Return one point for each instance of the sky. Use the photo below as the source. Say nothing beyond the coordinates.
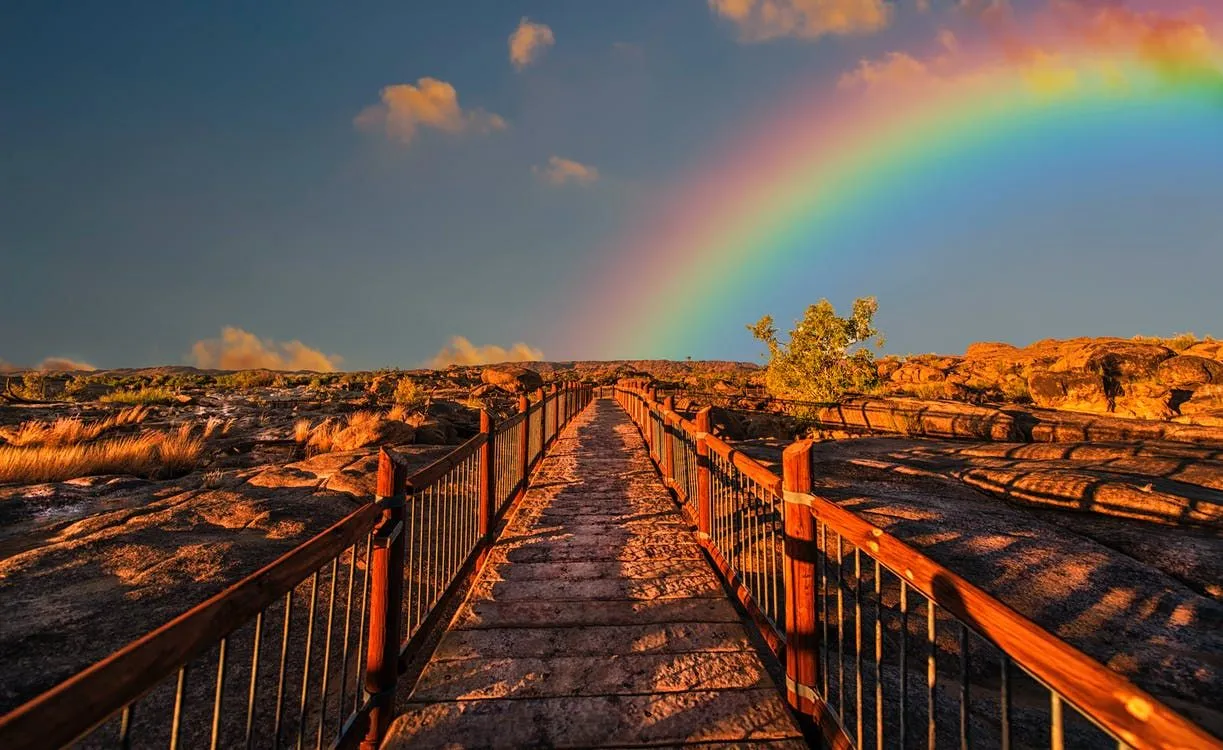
(319, 185)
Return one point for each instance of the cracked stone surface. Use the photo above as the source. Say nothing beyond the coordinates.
(596, 623)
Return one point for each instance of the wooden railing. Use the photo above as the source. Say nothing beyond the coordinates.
(307, 650)
(882, 645)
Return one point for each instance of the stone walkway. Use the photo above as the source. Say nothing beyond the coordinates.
(597, 622)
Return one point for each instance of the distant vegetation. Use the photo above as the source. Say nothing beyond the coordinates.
(826, 355)
(142, 396)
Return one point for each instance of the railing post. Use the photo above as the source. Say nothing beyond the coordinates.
(704, 479)
(556, 411)
(488, 480)
(524, 443)
(386, 566)
(802, 644)
(668, 438)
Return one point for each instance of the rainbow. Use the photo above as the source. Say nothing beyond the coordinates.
(822, 158)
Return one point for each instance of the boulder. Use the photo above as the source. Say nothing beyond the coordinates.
(886, 366)
(1205, 399)
(916, 372)
(1188, 371)
(382, 432)
(511, 378)
(1114, 359)
(1076, 391)
(991, 350)
(1208, 349)
(1142, 399)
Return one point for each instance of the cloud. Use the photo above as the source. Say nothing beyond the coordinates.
(760, 20)
(528, 42)
(237, 349)
(1172, 46)
(986, 10)
(923, 5)
(8, 366)
(560, 171)
(429, 104)
(460, 351)
(63, 363)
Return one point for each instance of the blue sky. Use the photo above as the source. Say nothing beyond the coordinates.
(168, 170)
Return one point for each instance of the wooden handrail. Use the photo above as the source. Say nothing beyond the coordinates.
(86, 700)
(1115, 703)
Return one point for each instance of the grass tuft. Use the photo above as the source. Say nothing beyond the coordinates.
(143, 396)
(151, 454)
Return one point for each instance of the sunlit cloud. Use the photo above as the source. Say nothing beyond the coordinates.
(60, 364)
(761, 20)
(1057, 66)
(237, 349)
(559, 171)
(431, 103)
(528, 42)
(460, 351)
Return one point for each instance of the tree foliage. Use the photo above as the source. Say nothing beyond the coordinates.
(817, 363)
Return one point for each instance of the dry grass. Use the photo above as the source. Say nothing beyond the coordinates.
(142, 396)
(410, 395)
(69, 430)
(301, 430)
(215, 426)
(150, 454)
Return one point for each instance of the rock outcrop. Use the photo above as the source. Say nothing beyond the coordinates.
(511, 378)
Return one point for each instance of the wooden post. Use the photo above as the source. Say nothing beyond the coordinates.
(386, 565)
(554, 398)
(704, 479)
(668, 438)
(802, 633)
(488, 480)
(524, 442)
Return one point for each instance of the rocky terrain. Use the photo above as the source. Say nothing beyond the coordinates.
(1081, 481)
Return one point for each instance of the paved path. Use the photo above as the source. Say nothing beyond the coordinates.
(597, 622)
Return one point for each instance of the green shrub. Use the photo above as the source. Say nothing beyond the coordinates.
(142, 396)
(410, 395)
(817, 363)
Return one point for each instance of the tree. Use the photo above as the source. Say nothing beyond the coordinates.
(817, 363)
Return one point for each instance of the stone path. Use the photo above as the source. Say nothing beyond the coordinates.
(597, 622)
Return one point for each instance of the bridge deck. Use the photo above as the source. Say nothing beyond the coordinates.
(596, 623)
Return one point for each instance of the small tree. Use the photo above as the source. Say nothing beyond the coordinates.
(816, 364)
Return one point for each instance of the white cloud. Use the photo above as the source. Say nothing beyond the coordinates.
(559, 171)
(237, 349)
(528, 42)
(461, 351)
(431, 104)
(760, 20)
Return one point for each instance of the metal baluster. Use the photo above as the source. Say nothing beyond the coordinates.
(220, 692)
(931, 674)
(858, 643)
(357, 676)
(177, 721)
(303, 702)
(352, 569)
(125, 727)
(250, 698)
(825, 661)
(904, 662)
(964, 697)
(1004, 701)
(1057, 735)
(840, 629)
(878, 657)
(284, 660)
(322, 719)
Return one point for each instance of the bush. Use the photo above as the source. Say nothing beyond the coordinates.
(245, 379)
(142, 396)
(410, 395)
(152, 454)
(817, 363)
